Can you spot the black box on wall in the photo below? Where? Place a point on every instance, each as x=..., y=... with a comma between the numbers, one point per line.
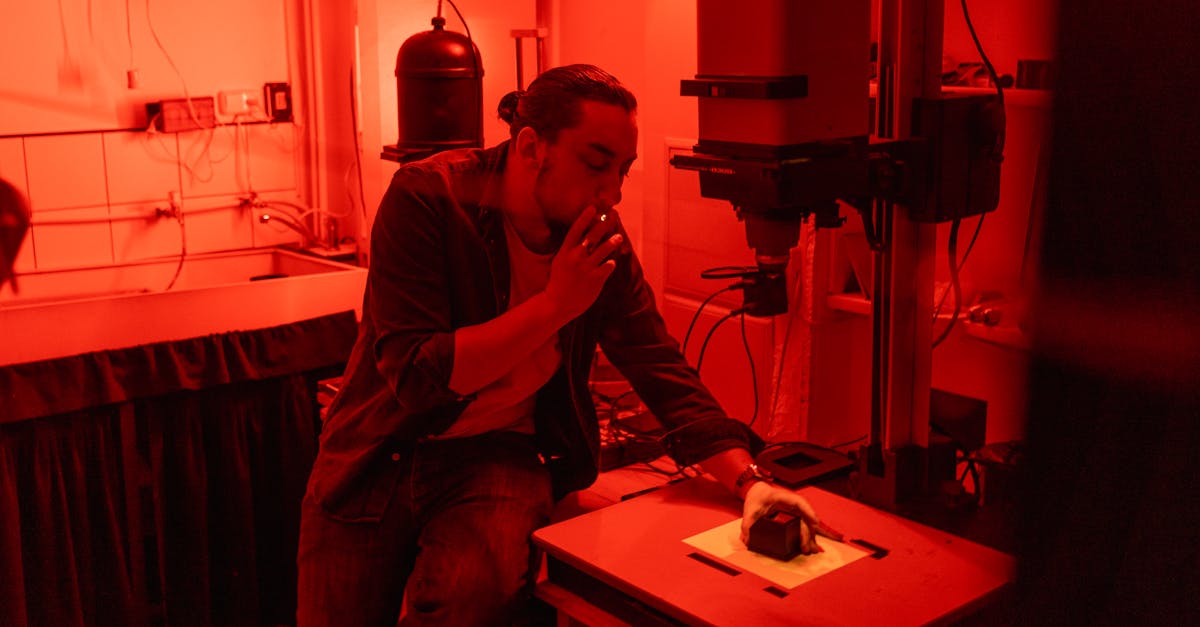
x=960, y=175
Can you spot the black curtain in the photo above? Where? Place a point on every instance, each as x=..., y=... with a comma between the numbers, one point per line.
x=63, y=557
x=1111, y=506
x=228, y=474
x=161, y=484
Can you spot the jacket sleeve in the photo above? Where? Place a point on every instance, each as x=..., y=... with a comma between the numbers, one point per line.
x=409, y=302
x=634, y=337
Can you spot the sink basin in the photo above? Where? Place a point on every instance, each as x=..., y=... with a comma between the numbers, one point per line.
x=66, y=312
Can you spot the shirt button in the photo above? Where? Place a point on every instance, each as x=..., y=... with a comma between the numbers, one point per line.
x=395, y=457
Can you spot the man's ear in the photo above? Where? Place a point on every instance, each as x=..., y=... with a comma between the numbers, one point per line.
x=530, y=148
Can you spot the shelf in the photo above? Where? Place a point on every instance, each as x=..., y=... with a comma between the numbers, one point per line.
x=1039, y=98
x=1000, y=335
x=851, y=303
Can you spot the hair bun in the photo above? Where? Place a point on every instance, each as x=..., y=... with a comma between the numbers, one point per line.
x=507, y=109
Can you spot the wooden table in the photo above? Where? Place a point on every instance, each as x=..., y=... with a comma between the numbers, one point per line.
x=627, y=563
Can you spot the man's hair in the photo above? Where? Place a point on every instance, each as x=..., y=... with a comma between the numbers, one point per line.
x=553, y=100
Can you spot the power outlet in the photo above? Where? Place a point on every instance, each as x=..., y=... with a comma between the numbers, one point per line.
x=278, y=97
x=239, y=102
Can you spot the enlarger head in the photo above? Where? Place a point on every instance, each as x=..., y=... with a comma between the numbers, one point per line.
x=783, y=110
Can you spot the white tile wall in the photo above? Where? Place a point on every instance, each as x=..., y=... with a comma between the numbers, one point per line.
x=130, y=174
x=138, y=171
x=214, y=161
x=232, y=160
x=65, y=171
x=26, y=258
x=146, y=237
x=12, y=163
x=12, y=169
x=272, y=156
x=216, y=223
x=72, y=245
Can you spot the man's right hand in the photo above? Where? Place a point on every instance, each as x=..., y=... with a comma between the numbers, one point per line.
x=581, y=265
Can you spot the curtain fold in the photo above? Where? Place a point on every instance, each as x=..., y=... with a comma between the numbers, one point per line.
x=63, y=482
x=205, y=443
x=227, y=543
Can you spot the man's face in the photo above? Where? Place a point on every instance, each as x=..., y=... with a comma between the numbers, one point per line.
x=587, y=164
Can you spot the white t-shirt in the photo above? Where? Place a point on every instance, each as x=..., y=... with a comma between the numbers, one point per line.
x=507, y=403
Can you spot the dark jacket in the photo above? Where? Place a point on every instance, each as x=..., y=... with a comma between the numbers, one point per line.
x=439, y=262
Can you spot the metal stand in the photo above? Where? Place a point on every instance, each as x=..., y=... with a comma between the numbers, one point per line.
x=539, y=36
x=892, y=466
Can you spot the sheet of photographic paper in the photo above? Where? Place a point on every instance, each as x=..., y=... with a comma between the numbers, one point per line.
x=724, y=543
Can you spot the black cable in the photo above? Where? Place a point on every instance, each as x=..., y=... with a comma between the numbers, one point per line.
x=182, y=250
x=704, y=346
x=961, y=264
x=955, y=265
x=460, y=18
x=474, y=57
x=848, y=442
x=986, y=62
x=700, y=310
x=954, y=282
x=874, y=241
x=753, y=374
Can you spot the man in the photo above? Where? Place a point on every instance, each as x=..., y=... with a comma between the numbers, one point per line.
x=14, y=223
x=465, y=409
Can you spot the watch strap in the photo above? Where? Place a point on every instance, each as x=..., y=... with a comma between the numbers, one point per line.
x=752, y=472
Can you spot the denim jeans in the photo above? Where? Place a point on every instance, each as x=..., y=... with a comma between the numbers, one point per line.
x=453, y=545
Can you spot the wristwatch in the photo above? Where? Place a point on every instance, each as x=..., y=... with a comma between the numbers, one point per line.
x=752, y=473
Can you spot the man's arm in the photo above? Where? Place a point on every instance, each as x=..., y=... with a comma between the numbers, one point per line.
x=638, y=344
x=760, y=497
x=485, y=352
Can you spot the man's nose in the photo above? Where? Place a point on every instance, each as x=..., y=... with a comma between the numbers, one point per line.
x=609, y=194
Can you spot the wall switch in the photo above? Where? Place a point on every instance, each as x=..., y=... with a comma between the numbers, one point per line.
x=278, y=98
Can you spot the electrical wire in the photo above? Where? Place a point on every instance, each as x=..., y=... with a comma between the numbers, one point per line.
x=987, y=63
x=464, y=23
x=961, y=264
x=704, y=346
x=238, y=154
x=304, y=212
x=700, y=310
x=182, y=248
x=474, y=57
x=753, y=374
x=195, y=117
x=955, y=284
x=129, y=32
x=848, y=442
x=955, y=265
